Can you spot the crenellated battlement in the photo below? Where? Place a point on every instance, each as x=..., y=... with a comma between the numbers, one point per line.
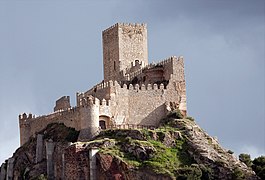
x=25, y=116
x=111, y=28
x=116, y=85
x=167, y=61
x=107, y=84
x=132, y=25
x=144, y=87
x=31, y=117
x=104, y=102
x=89, y=101
x=164, y=62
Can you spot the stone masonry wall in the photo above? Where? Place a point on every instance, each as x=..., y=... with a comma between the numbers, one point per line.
x=30, y=124
x=123, y=44
x=63, y=103
x=132, y=44
x=110, y=52
x=76, y=161
x=146, y=104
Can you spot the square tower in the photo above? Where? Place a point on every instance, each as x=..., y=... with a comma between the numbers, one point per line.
x=124, y=47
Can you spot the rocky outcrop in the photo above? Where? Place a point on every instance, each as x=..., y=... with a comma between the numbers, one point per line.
x=207, y=151
x=178, y=149
x=111, y=167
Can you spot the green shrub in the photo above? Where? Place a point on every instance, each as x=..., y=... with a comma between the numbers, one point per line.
x=230, y=152
x=238, y=174
x=40, y=177
x=245, y=158
x=190, y=118
x=161, y=136
x=175, y=114
x=259, y=166
x=72, y=135
x=207, y=172
x=189, y=173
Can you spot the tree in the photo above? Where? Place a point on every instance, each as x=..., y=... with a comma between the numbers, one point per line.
x=259, y=166
x=245, y=158
x=238, y=174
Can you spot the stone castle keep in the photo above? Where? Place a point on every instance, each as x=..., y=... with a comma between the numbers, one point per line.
x=132, y=93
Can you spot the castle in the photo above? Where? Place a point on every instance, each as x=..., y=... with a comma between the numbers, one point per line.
x=133, y=92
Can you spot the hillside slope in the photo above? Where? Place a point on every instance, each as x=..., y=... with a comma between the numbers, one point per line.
x=178, y=149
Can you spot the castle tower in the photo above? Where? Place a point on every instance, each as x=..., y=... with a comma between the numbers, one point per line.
x=89, y=113
x=24, y=126
x=124, y=46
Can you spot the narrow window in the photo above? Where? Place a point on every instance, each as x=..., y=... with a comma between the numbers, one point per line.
x=114, y=66
x=102, y=124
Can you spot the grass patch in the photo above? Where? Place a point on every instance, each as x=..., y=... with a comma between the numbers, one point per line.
x=166, y=159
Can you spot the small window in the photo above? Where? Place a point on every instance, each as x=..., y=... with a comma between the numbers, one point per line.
x=102, y=124
x=114, y=66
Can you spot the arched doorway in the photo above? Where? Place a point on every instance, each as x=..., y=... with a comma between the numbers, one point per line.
x=104, y=122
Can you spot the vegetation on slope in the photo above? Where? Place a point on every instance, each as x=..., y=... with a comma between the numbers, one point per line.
x=172, y=160
x=258, y=164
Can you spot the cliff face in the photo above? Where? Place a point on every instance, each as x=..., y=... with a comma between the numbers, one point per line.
x=179, y=149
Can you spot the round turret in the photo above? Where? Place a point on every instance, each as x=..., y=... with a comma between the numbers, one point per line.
x=89, y=113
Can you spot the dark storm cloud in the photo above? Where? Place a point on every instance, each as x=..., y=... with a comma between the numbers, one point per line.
x=53, y=48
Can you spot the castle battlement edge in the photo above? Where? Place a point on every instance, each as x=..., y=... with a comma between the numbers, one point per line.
x=133, y=91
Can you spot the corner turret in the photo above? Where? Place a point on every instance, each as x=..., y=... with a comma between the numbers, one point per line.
x=89, y=113
x=24, y=127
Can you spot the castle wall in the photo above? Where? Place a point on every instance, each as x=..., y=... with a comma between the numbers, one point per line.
x=147, y=106
x=50, y=158
x=29, y=124
x=119, y=104
x=39, y=148
x=139, y=105
x=76, y=159
x=148, y=111
x=69, y=117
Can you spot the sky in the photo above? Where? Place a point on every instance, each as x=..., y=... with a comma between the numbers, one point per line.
x=52, y=48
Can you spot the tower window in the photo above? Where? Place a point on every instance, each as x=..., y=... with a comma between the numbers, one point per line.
x=114, y=66
x=137, y=62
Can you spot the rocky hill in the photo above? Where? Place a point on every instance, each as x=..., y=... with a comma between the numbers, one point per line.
x=178, y=149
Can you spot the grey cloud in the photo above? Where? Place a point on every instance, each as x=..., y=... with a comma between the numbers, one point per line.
x=53, y=48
